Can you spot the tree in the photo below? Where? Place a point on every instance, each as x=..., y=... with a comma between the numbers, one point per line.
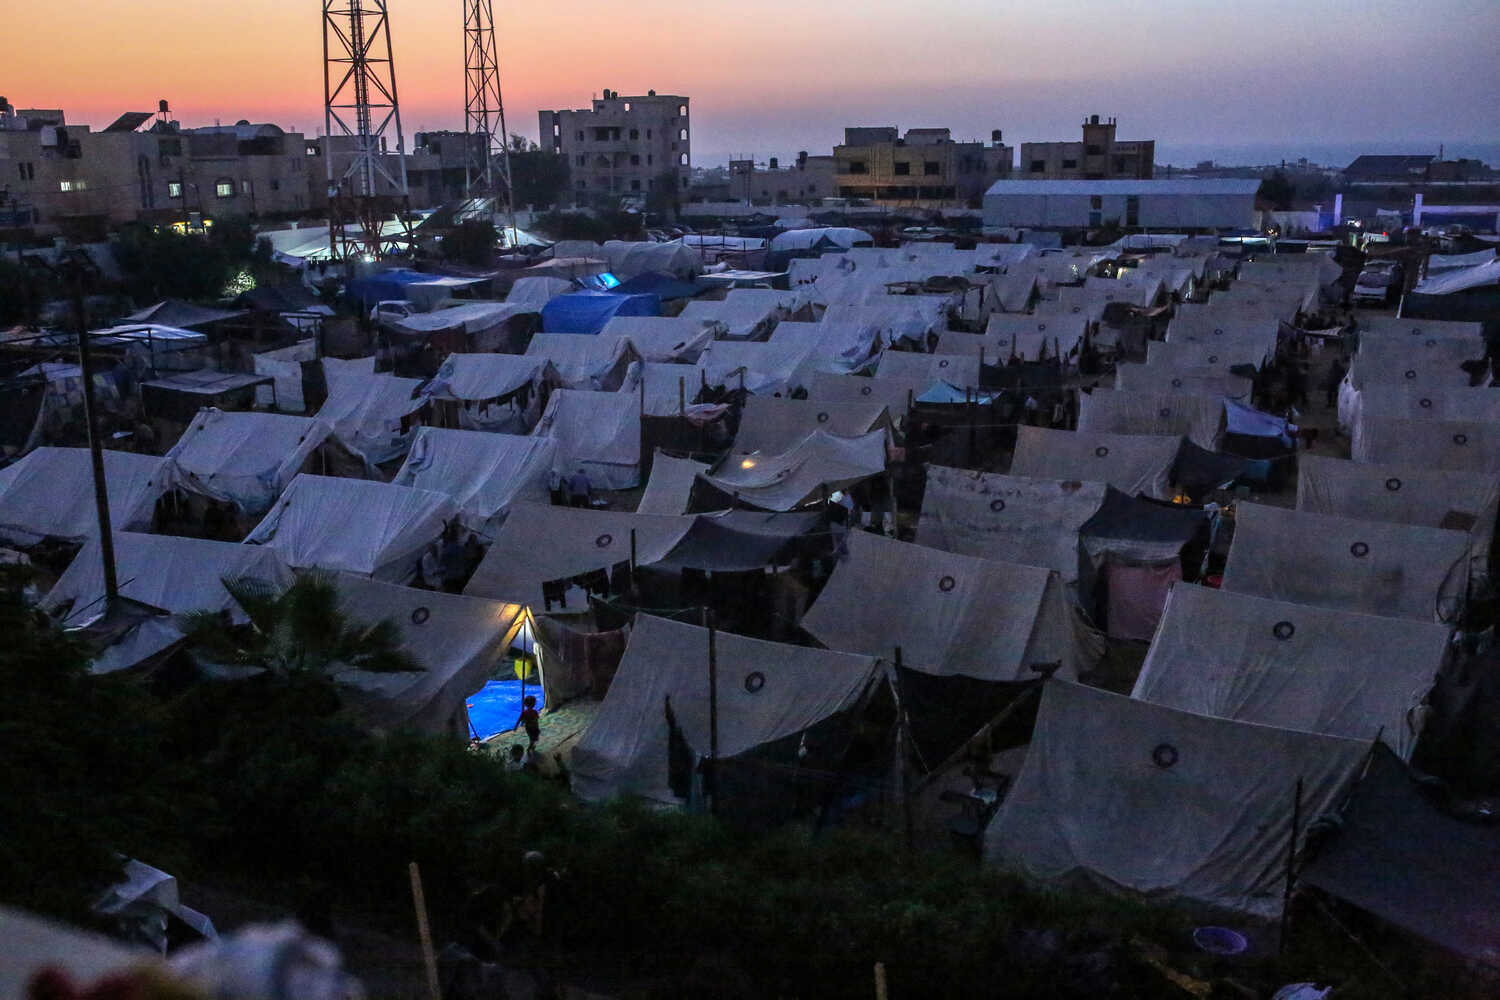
x=538, y=177
x=664, y=197
x=295, y=632
x=198, y=266
x=472, y=243
x=1277, y=189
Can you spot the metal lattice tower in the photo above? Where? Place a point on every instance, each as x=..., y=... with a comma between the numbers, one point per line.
x=487, y=167
x=359, y=102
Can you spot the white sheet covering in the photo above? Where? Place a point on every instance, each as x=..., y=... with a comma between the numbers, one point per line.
x=243, y=458
x=800, y=475
x=582, y=361
x=773, y=424
x=1454, y=445
x=1013, y=519
x=957, y=369
x=1132, y=463
x=371, y=415
x=354, y=526
x=483, y=473
x=624, y=752
x=1135, y=798
x=670, y=485
x=50, y=494
x=598, y=432
x=1234, y=656
x=1200, y=419
x=1395, y=570
x=666, y=339
x=949, y=614
x=1191, y=381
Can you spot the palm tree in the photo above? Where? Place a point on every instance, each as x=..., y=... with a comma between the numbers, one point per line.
x=296, y=632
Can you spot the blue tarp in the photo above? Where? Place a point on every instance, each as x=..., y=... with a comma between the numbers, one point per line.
x=946, y=393
x=1246, y=420
x=587, y=312
x=372, y=289
x=495, y=707
x=663, y=286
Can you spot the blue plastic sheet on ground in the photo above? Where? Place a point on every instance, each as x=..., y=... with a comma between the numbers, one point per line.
x=495, y=707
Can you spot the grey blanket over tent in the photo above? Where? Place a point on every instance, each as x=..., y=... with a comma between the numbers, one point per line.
x=766, y=691
x=950, y=614
x=1131, y=463
x=1240, y=657
x=1135, y=798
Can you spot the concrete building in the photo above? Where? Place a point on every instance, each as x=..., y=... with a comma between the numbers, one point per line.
x=925, y=165
x=1097, y=156
x=1179, y=206
x=622, y=147
x=70, y=180
x=805, y=179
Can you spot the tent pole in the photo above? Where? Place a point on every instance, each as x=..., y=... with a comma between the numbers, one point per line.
x=96, y=456
x=903, y=740
x=1291, y=873
x=632, y=555
x=713, y=713
x=641, y=464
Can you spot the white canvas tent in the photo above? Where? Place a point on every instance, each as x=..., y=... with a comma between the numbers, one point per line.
x=1377, y=328
x=957, y=369
x=539, y=544
x=1030, y=338
x=1131, y=463
x=243, y=458
x=671, y=484
x=1206, y=326
x=773, y=424
x=457, y=641
x=949, y=614
x=896, y=317
x=746, y=313
x=598, y=432
x=1220, y=354
x=173, y=574
x=628, y=259
x=1455, y=445
x=1190, y=381
x=584, y=361
x=1134, y=798
x=1200, y=419
x=49, y=493
x=815, y=466
x=1076, y=304
x=1396, y=570
x=485, y=326
x=1013, y=519
x=483, y=473
x=372, y=415
x=284, y=365
x=895, y=393
x=354, y=526
x=765, y=368
x=666, y=339
x=766, y=691
x=478, y=382
x=831, y=347
x=1401, y=494
x=1235, y=656
x=533, y=292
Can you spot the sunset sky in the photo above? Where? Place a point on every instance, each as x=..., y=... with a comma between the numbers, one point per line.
x=773, y=77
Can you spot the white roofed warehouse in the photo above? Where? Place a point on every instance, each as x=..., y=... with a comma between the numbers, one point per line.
x=1176, y=205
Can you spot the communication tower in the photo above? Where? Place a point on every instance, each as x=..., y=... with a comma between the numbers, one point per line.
x=487, y=167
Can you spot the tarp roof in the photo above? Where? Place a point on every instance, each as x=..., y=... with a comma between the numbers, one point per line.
x=1134, y=463
x=948, y=614
x=476, y=377
x=599, y=432
x=467, y=317
x=1193, y=381
x=671, y=484
x=49, y=493
x=1396, y=570
x=833, y=347
x=1378, y=328
x=1173, y=412
x=539, y=543
x=766, y=691
x=799, y=475
x=959, y=369
x=1399, y=855
x=1400, y=494
x=458, y=641
x=534, y=291
x=769, y=368
x=174, y=574
x=481, y=471
x=588, y=311
x=584, y=362
x=627, y=259
x=1184, y=354
x=1013, y=519
x=736, y=541
x=773, y=424
x=744, y=312
x=1030, y=338
x=1462, y=279
x=1131, y=797
x=183, y=315
x=895, y=393
x=353, y=525
x=661, y=338
x=808, y=239
x=1456, y=445
x=367, y=412
x=1235, y=656
x=244, y=458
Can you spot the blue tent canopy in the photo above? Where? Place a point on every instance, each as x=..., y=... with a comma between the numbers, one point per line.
x=372, y=289
x=663, y=286
x=587, y=312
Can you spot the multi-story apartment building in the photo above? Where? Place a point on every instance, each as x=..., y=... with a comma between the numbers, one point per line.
x=69, y=179
x=1098, y=156
x=925, y=165
x=622, y=147
x=805, y=179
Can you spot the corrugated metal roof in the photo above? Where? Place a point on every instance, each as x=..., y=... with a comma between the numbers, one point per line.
x=1189, y=186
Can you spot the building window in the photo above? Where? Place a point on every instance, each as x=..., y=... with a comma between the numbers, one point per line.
x=246, y=188
x=580, y=135
x=682, y=110
x=902, y=169
x=635, y=133
x=73, y=185
x=1096, y=202
x=1038, y=166
x=931, y=168
x=682, y=135
x=635, y=185
x=635, y=160
x=27, y=170
x=1120, y=164
x=627, y=105
x=224, y=189
x=583, y=160
x=648, y=133
x=1070, y=164
x=858, y=167
x=275, y=185
x=649, y=159
x=582, y=183
x=1133, y=210
x=174, y=189
x=556, y=130
x=1096, y=218
x=309, y=149
x=1092, y=150
x=601, y=134
x=682, y=159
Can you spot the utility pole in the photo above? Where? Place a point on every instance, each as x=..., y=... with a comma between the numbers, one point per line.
x=75, y=270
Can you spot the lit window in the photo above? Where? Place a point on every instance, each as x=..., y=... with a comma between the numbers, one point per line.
x=683, y=159
x=627, y=105
x=682, y=110
x=246, y=188
x=73, y=185
x=174, y=189
x=311, y=149
x=682, y=134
